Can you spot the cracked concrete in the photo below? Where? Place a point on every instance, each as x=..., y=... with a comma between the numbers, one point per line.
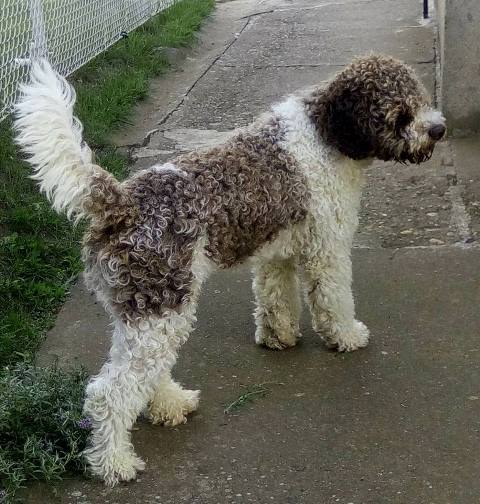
x=169, y=92
x=395, y=423
x=277, y=50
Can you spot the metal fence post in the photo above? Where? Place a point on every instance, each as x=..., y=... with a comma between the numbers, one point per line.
x=124, y=18
x=39, y=44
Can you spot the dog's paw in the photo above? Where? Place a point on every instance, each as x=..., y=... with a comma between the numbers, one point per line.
x=172, y=410
x=276, y=340
x=114, y=467
x=353, y=340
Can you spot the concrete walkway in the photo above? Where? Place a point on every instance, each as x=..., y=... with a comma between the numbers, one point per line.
x=394, y=423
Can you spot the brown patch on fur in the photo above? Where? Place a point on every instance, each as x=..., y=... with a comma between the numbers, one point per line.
x=107, y=201
x=238, y=196
x=366, y=108
x=254, y=192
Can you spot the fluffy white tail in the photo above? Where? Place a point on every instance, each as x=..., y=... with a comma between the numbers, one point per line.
x=52, y=137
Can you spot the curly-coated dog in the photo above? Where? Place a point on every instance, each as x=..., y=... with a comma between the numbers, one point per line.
x=284, y=192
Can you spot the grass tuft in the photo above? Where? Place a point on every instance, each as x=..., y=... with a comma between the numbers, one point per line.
x=251, y=393
x=114, y=81
x=42, y=429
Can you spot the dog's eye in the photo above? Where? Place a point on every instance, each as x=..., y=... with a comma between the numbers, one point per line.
x=403, y=120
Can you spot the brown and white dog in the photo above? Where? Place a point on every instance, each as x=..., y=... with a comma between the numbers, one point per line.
x=284, y=192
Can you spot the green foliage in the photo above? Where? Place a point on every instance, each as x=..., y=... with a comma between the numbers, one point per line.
x=42, y=429
x=109, y=86
x=251, y=393
x=39, y=257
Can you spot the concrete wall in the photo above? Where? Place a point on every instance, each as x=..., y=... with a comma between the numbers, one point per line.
x=459, y=52
x=440, y=6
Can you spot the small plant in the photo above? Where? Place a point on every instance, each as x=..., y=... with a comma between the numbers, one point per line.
x=42, y=428
x=251, y=393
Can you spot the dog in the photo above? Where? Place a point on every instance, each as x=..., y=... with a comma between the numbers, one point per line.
x=283, y=193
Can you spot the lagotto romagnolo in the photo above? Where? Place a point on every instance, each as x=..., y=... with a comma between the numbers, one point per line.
x=283, y=193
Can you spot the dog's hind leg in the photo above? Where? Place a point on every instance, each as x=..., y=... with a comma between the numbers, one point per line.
x=171, y=403
x=277, y=311
x=139, y=356
x=328, y=279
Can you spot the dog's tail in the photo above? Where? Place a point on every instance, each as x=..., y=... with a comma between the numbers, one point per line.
x=52, y=137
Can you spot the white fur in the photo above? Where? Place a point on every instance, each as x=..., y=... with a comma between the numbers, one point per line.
x=417, y=132
x=138, y=373
x=52, y=137
x=277, y=311
x=166, y=167
x=114, y=398
x=320, y=246
x=171, y=403
x=431, y=116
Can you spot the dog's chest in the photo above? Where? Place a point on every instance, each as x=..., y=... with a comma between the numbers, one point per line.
x=335, y=192
x=334, y=181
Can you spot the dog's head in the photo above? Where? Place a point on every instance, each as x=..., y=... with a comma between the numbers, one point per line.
x=376, y=107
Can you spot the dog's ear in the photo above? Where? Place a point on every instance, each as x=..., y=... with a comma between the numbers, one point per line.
x=403, y=118
x=343, y=126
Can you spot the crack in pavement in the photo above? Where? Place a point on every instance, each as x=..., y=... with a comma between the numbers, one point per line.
x=314, y=65
x=329, y=4
x=460, y=220
x=293, y=65
x=437, y=93
x=446, y=246
x=257, y=14
x=202, y=75
x=303, y=9
x=459, y=217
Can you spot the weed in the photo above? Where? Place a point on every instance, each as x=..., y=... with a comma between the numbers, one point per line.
x=251, y=393
x=42, y=429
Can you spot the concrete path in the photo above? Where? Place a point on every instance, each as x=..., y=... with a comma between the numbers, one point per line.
x=394, y=423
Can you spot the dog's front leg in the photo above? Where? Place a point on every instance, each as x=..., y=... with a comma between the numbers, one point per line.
x=277, y=299
x=328, y=278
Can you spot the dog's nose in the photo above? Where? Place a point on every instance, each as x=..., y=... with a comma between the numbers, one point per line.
x=436, y=132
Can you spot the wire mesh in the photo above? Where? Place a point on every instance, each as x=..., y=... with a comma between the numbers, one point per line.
x=69, y=32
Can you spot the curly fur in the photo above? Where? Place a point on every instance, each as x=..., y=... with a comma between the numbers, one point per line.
x=284, y=192
x=52, y=137
x=237, y=196
x=369, y=111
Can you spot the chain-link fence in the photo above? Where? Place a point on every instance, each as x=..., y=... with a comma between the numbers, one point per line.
x=69, y=32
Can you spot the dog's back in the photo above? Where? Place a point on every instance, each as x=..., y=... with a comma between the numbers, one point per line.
x=229, y=200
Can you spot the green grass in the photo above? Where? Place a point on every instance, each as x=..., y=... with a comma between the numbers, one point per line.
x=42, y=429
x=39, y=250
x=39, y=257
x=110, y=84
x=251, y=393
